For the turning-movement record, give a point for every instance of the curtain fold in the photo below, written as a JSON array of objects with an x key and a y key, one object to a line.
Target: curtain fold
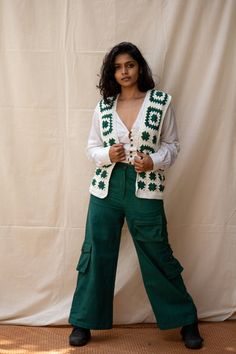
[{"x": 50, "y": 56}]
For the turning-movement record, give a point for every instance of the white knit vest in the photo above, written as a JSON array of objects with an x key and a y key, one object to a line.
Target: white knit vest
[{"x": 149, "y": 184}]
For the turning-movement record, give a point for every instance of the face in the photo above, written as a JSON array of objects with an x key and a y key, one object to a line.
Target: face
[{"x": 126, "y": 70}]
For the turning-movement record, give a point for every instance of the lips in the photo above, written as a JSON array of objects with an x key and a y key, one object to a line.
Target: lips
[{"x": 126, "y": 78}]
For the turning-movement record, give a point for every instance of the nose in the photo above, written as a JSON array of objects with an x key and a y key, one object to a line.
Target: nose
[{"x": 124, "y": 69}]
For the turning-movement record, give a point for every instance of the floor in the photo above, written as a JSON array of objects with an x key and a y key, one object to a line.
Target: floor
[{"x": 220, "y": 337}]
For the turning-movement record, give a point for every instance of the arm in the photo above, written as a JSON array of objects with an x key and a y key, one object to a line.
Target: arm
[
  {"x": 168, "y": 149},
  {"x": 96, "y": 151},
  {"x": 169, "y": 143}
]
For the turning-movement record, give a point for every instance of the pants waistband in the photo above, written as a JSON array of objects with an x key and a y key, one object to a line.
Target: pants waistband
[{"x": 124, "y": 165}]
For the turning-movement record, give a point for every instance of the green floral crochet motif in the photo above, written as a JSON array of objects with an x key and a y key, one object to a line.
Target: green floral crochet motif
[
  {"x": 142, "y": 174},
  {"x": 141, "y": 185},
  {"x": 105, "y": 106},
  {"x": 152, "y": 176},
  {"x": 98, "y": 171},
  {"x": 158, "y": 97},
  {"x": 161, "y": 188},
  {"x": 94, "y": 182},
  {"x": 161, "y": 177},
  {"x": 145, "y": 136},
  {"x": 105, "y": 144},
  {"x": 107, "y": 124},
  {"x": 112, "y": 141},
  {"x": 152, "y": 186},
  {"x": 101, "y": 185},
  {"x": 104, "y": 174},
  {"x": 153, "y": 118},
  {"x": 146, "y": 149},
  {"x": 154, "y": 139}
]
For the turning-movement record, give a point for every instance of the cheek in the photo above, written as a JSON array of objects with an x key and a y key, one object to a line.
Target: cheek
[
  {"x": 137, "y": 74},
  {"x": 116, "y": 75}
]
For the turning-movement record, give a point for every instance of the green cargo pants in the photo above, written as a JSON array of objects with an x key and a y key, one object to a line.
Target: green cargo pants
[{"x": 92, "y": 304}]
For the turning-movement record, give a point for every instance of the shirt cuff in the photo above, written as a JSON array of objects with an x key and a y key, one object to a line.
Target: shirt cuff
[
  {"x": 101, "y": 156},
  {"x": 159, "y": 161}
]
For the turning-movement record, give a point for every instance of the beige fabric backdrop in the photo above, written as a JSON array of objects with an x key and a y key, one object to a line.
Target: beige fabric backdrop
[{"x": 50, "y": 55}]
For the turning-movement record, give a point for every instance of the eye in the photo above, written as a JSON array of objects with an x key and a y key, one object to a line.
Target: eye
[{"x": 131, "y": 65}]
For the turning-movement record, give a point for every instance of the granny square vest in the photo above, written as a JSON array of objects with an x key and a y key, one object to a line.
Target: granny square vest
[{"x": 149, "y": 184}]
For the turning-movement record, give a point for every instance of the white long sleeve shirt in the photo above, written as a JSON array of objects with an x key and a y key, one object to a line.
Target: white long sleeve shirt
[{"x": 162, "y": 159}]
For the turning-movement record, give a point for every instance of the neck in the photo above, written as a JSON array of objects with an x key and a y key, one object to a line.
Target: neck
[{"x": 130, "y": 93}]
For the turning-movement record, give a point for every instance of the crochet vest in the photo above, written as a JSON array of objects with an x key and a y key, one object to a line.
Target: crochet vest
[{"x": 149, "y": 184}]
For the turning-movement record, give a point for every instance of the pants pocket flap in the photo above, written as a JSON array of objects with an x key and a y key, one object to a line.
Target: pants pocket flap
[
  {"x": 87, "y": 247},
  {"x": 149, "y": 230},
  {"x": 84, "y": 258}
]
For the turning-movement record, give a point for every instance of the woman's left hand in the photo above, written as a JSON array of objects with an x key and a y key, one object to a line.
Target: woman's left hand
[{"x": 143, "y": 162}]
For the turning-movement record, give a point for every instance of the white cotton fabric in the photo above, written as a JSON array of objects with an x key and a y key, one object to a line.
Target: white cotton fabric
[
  {"x": 50, "y": 54},
  {"x": 162, "y": 159}
]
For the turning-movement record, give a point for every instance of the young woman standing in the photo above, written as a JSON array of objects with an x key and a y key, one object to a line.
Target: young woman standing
[{"x": 132, "y": 141}]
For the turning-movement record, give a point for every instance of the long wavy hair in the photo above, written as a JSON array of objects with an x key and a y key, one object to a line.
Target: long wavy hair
[{"x": 108, "y": 86}]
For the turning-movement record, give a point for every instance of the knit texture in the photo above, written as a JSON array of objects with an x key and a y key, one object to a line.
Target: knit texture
[{"x": 149, "y": 184}]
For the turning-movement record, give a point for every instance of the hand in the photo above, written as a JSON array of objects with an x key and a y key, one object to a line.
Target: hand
[
  {"x": 117, "y": 153},
  {"x": 143, "y": 162}
]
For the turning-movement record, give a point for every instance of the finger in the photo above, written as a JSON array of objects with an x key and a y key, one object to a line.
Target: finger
[
  {"x": 141, "y": 154},
  {"x": 138, "y": 162},
  {"x": 119, "y": 146},
  {"x": 120, "y": 152},
  {"x": 138, "y": 170},
  {"x": 121, "y": 158},
  {"x": 137, "y": 167},
  {"x": 137, "y": 159}
]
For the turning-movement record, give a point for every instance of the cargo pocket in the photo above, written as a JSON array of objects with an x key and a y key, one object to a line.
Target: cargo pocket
[
  {"x": 153, "y": 229},
  {"x": 84, "y": 258}
]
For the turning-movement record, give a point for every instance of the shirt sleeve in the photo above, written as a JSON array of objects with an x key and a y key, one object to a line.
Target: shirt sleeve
[
  {"x": 169, "y": 143},
  {"x": 95, "y": 149}
]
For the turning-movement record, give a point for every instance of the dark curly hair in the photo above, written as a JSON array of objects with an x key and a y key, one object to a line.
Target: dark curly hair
[{"x": 107, "y": 84}]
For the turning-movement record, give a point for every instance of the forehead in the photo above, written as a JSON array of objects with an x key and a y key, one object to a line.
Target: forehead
[{"x": 123, "y": 58}]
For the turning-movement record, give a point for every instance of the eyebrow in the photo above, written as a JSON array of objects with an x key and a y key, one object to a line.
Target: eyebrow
[{"x": 127, "y": 62}]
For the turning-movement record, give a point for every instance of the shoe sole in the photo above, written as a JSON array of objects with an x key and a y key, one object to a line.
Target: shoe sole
[{"x": 80, "y": 344}]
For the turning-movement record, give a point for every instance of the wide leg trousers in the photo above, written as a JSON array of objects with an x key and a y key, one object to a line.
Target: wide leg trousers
[{"x": 92, "y": 305}]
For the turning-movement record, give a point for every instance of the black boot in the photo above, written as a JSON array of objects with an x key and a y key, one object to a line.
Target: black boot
[
  {"x": 191, "y": 336},
  {"x": 79, "y": 336}
]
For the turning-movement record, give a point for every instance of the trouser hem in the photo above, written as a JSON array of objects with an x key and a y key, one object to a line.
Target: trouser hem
[
  {"x": 90, "y": 325},
  {"x": 185, "y": 322}
]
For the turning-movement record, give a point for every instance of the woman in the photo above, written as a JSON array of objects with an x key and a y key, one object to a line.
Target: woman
[{"x": 133, "y": 139}]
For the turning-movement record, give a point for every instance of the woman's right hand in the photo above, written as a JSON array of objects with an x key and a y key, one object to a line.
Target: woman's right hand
[{"x": 117, "y": 153}]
